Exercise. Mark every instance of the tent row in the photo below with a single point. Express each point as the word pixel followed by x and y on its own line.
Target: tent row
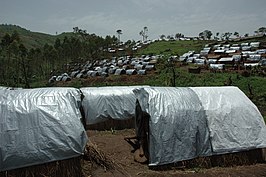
pixel 116 66
pixel 44 125
pixel 244 54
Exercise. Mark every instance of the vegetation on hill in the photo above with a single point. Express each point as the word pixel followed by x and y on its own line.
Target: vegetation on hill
pixel 32 40
pixel 28 38
pixel 173 47
pixel 22 65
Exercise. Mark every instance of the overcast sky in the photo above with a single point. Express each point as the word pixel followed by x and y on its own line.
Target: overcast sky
pixel 104 17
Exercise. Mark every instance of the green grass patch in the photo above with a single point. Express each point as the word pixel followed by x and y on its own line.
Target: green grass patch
pixel 173 47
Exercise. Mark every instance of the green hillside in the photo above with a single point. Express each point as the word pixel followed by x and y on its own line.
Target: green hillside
pixel 31 39
pixel 173 47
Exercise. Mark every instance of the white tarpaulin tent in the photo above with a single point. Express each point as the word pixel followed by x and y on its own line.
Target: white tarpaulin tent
pixel 191 122
pixel 103 103
pixel 3 88
pixel 39 126
pixel 234 122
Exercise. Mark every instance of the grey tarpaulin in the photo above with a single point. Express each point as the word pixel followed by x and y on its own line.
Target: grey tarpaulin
pixel 103 103
pixel 39 126
pixel 177 126
pixel 235 123
pixel 190 122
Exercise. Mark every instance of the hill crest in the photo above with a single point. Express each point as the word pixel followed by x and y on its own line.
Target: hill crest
pixel 29 38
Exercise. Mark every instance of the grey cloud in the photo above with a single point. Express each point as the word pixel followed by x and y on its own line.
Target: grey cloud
pixel 161 17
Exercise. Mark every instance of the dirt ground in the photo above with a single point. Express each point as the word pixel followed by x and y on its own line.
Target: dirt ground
pixel 113 145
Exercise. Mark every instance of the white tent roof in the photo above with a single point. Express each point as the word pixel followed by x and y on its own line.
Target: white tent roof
pixel 235 123
pixel 226 59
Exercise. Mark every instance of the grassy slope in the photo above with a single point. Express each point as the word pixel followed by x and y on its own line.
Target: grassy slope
pixel 173 47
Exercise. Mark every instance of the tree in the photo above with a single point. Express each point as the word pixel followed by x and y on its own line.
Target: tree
pixel 128 43
pixel 262 30
pixel 108 42
pixel 119 32
pixel 227 35
pixel 36 62
pixel 15 36
pixel 179 35
pixel 6 47
pixel 25 65
pixel 13 63
pixel 57 43
pixel 143 33
pixel 236 34
pixel 206 34
pixel 76 29
pixel 162 37
pixel 6 41
pixel 201 35
pixel 14 48
pixel 79 31
pixel 170 68
pixel 217 36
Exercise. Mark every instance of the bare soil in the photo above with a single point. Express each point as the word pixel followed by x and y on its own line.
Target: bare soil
pixel 113 145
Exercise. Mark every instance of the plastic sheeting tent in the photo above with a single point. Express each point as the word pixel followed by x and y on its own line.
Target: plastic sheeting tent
pixel 235 123
pixel 103 103
pixel 186 123
pixel 39 126
pixel 3 88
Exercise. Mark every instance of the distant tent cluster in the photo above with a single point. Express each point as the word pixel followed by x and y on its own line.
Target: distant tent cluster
pixel 44 125
pixel 116 66
pixel 218 56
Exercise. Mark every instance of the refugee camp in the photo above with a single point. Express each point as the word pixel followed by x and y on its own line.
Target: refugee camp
pixel 133 88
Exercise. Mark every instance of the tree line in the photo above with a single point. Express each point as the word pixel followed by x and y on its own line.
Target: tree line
pixel 21 66
pixel 208 35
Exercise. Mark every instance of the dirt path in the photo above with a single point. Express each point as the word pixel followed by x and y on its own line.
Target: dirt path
pixel 114 146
